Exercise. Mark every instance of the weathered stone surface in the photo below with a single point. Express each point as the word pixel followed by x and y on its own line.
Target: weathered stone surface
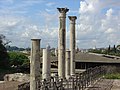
pixel 46 73
pixel 62 42
pixel 67 74
pixel 35 63
pixel 116 85
pixel 56 52
pixel 17 77
pixel 72 43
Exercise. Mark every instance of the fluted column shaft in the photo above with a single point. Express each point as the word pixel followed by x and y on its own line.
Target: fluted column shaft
pixel 62 42
pixel 72 43
pixel 67 64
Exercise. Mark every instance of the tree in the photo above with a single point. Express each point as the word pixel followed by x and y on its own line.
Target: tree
pixel 18 59
pixel 12 48
pixel 109 49
pixel 19 62
pixel 114 49
pixel 118 47
pixel 4 58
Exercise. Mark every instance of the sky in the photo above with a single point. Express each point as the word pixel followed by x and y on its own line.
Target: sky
pixel 97 24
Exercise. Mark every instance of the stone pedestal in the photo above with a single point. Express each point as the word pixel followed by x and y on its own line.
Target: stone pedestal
pixel 62 42
pixel 67 69
pixel 72 43
pixel 46 74
pixel 35 63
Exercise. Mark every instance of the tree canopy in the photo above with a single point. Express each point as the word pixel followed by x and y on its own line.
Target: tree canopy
pixel 4 57
pixel 19 61
pixel 17 58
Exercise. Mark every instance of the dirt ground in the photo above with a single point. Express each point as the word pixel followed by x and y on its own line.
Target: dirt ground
pixel 11 85
pixel 106 84
pixel 116 85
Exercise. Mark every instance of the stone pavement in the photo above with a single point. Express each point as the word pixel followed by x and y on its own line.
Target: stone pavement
pixel 106 84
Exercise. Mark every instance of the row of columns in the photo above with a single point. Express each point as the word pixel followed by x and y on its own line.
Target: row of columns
pixel 35 61
pixel 35 64
pixel 65 68
pixel 62 43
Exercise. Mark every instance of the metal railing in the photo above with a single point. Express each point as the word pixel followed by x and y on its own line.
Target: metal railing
pixel 77 82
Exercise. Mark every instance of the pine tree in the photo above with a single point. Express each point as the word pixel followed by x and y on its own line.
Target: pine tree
pixel 114 49
pixel 109 49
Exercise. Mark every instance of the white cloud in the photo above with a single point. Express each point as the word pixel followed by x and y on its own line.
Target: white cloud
pixel 110 30
pixel 17 7
pixel 20 30
pixel 49 4
pixel 98 23
pixel 89 6
pixel 109 13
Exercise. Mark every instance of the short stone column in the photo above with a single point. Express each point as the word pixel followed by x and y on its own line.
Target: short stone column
pixel 67 69
pixel 72 43
pixel 35 64
pixel 62 42
pixel 56 52
pixel 46 73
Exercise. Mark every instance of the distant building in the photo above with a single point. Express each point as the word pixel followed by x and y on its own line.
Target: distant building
pixel 84 50
pixel 25 51
pixel 94 47
pixel 77 49
pixel 48 46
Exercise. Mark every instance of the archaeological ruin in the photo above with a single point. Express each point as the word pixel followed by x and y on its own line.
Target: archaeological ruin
pixel 66 77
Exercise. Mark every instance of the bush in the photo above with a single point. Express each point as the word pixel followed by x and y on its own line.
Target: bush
pixel 18 59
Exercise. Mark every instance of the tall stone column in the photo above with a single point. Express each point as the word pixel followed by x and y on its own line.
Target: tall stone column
pixel 72 43
pixel 62 42
pixel 67 64
pixel 46 74
pixel 35 63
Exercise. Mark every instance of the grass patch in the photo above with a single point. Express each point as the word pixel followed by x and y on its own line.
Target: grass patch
pixel 112 76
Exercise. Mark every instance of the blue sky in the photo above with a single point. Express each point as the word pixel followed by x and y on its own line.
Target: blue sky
pixel 98 21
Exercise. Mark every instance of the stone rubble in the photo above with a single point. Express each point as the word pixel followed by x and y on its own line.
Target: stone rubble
pixel 17 77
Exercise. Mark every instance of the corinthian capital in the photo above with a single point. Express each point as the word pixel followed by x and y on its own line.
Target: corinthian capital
pixel 63 10
pixel 72 18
